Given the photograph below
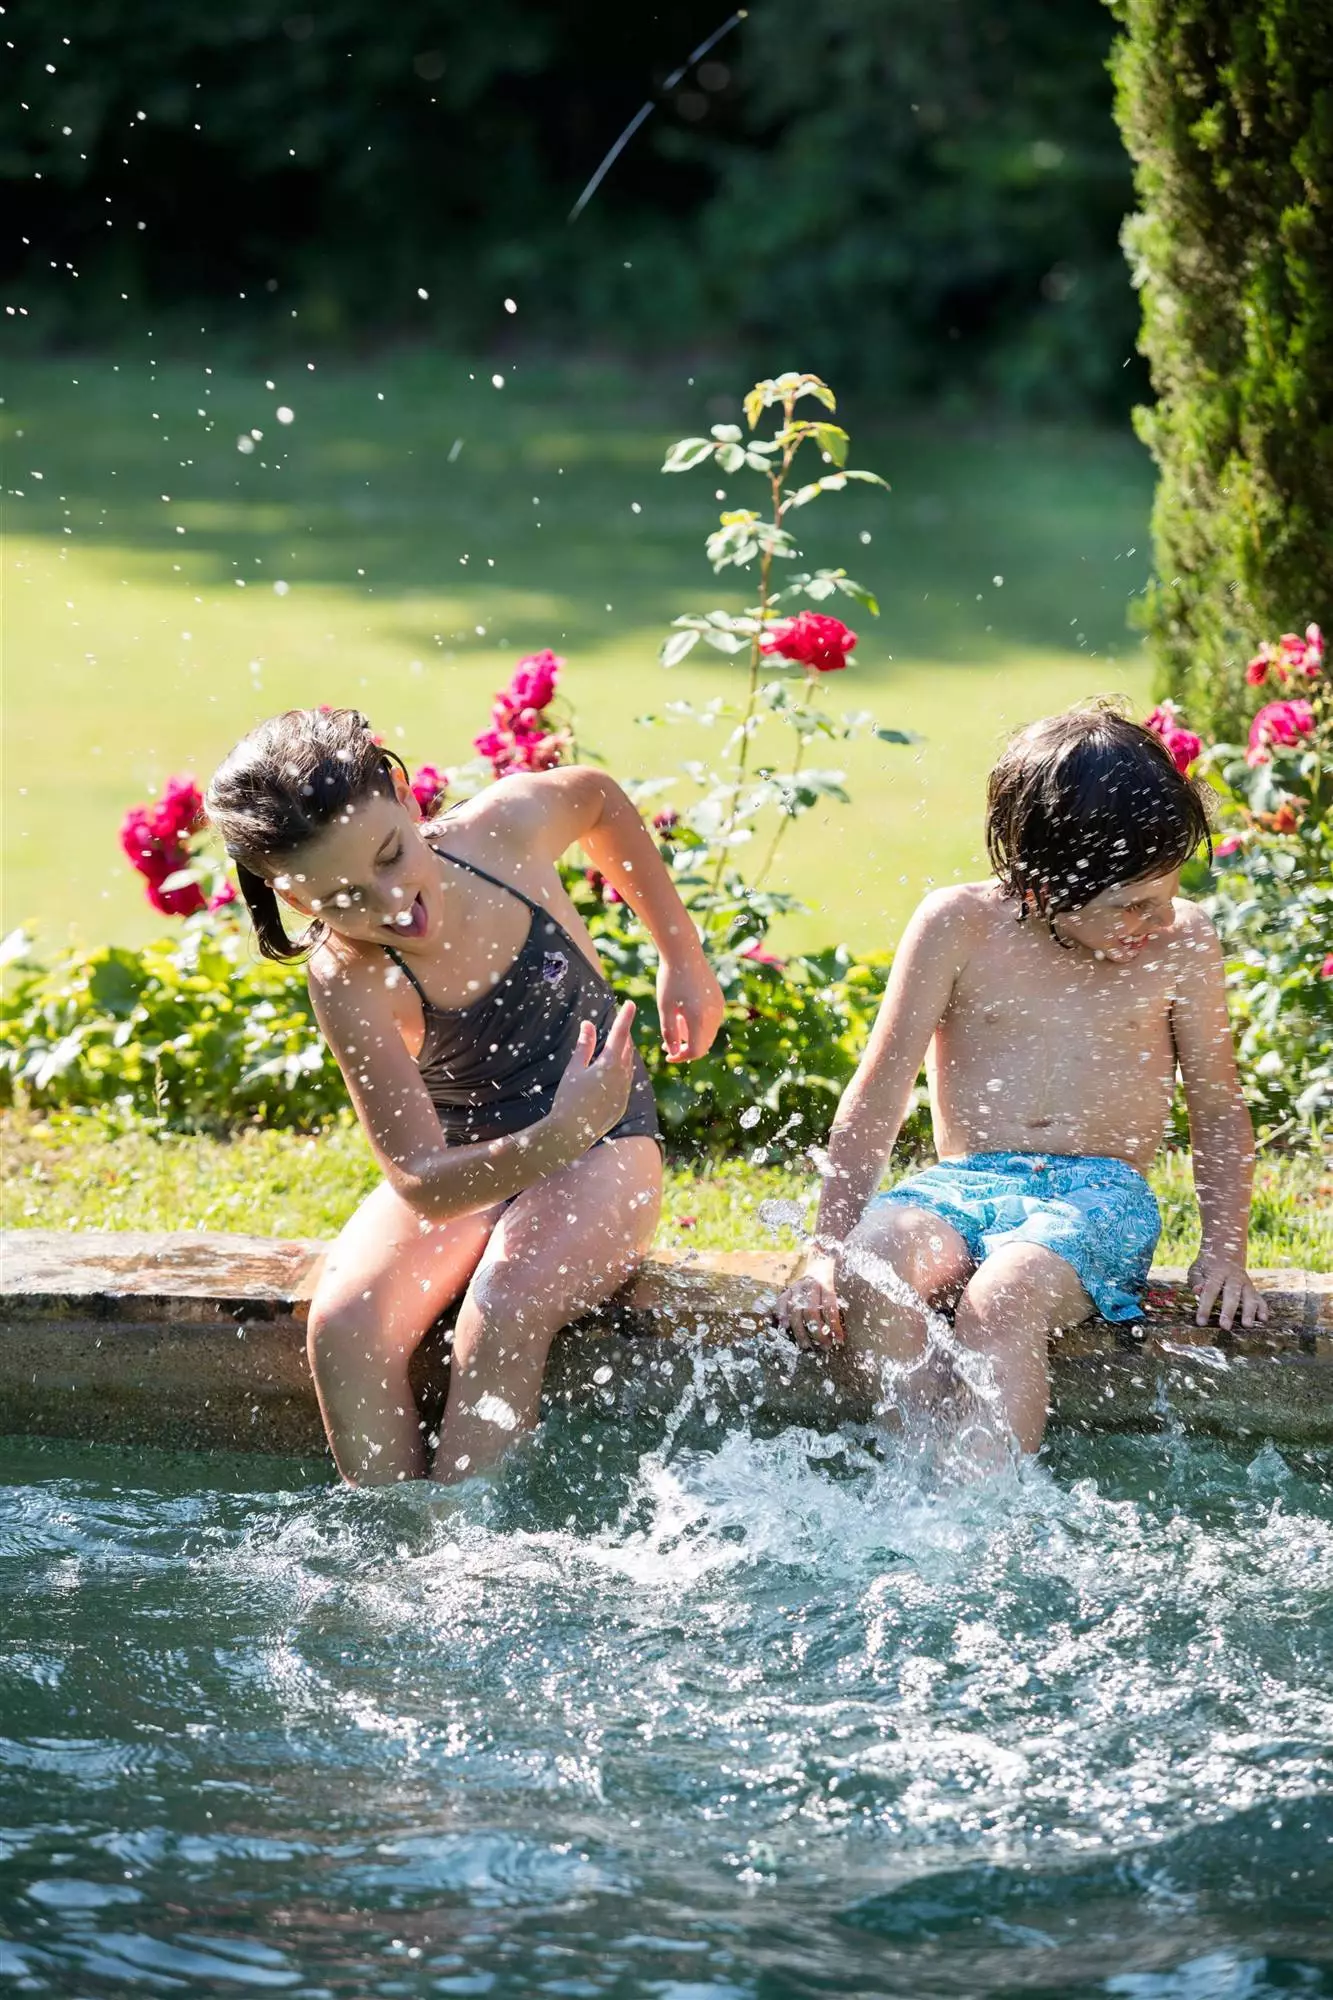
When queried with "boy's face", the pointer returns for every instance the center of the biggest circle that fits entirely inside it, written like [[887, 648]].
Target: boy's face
[[370, 876], [1122, 922]]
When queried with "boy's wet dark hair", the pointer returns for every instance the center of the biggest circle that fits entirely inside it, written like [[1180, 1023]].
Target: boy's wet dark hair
[[279, 789], [1084, 802]]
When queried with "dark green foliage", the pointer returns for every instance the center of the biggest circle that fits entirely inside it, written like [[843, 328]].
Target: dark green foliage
[[928, 190], [932, 196], [198, 1032], [1227, 108]]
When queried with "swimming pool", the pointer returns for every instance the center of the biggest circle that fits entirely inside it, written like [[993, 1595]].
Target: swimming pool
[[671, 1712]]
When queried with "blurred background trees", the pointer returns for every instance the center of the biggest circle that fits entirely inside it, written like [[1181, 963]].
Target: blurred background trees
[[939, 182], [1227, 108]]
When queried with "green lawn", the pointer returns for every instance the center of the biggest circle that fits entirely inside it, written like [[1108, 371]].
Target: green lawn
[[131, 652], [75, 1172]]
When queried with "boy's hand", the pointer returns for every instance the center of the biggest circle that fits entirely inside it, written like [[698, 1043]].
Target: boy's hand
[[690, 1003], [808, 1310], [1218, 1279]]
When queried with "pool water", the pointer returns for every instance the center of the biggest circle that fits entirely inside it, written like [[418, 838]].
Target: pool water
[[670, 1711]]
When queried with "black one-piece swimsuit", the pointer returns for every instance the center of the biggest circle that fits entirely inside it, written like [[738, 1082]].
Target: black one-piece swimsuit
[[492, 1067]]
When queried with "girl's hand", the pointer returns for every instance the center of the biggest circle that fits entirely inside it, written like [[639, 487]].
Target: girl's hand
[[690, 1004], [593, 1093], [809, 1310]]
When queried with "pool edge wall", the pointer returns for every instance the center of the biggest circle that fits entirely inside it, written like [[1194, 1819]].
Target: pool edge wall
[[196, 1341]]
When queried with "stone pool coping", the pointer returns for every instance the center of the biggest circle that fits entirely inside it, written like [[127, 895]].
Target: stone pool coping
[[195, 1340]]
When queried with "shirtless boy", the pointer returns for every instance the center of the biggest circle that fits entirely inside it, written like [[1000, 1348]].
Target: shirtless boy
[[1053, 1006]]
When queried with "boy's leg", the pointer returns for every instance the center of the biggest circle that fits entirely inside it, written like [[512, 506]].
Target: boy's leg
[[897, 1260], [1018, 1297], [561, 1247], [386, 1280]]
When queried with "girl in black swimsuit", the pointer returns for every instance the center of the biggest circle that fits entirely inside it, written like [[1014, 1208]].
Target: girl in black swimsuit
[[491, 1070]]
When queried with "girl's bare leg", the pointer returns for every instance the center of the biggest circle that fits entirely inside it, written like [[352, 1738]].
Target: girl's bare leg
[[931, 1259], [559, 1249], [387, 1279]]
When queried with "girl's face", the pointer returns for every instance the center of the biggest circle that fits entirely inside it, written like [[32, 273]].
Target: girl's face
[[369, 876], [1122, 922]]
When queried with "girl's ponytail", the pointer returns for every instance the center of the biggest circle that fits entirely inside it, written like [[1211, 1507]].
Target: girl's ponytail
[[266, 916]]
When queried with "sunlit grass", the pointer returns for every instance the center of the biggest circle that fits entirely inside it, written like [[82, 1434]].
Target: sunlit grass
[[131, 651], [74, 1172]]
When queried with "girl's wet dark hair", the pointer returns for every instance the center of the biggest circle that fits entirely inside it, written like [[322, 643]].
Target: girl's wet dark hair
[[280, 787], [1084, 802]]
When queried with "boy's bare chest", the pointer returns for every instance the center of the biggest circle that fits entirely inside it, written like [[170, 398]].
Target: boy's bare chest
[[1065, 1007]]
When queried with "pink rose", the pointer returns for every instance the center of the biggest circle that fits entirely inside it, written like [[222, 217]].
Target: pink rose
[[1326, 969], [534, 680], [1314, 651], [666, 821], [1229, 844], [1278, 725], [1256, 672], [601, 888], [1182, 744], [755, 952], [226, 895], [428, 788], [815, 641]]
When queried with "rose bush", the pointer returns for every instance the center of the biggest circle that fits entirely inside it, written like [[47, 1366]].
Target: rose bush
[[1269, 889], [521, 736]]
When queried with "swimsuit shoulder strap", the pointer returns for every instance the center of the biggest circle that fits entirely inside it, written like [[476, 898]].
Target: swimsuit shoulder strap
[[494, 880], [403, 966]]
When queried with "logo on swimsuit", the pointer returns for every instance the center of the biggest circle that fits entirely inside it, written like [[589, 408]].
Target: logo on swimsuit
[[554, 967]]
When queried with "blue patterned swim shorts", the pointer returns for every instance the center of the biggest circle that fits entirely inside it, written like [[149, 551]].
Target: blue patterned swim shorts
[[1099, 1215]]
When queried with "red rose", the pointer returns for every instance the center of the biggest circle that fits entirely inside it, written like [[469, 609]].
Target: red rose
[[1326, 969], [156, 853], [180, 810], [814, 641]]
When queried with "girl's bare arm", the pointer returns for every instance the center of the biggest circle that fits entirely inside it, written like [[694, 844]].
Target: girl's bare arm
[[582, 806], [355, 1013], [1221, 1136]]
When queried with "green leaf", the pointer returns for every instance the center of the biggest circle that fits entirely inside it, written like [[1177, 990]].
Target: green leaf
[[676, 646], [870, 478], [899, 736], [833, 439], [731, 457], [688, 453], [727, 433], [851, 588]]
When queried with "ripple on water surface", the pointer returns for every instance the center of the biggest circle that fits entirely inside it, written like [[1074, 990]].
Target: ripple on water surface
[[670, 1714]]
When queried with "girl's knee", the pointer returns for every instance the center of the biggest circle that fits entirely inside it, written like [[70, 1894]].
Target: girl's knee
[[340, 1335]]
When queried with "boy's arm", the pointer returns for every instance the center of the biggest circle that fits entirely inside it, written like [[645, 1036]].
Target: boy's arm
[[932, 953], [579, 804], [1221, 1135]]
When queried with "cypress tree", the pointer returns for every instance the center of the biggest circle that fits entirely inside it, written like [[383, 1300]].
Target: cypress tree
[[1226, 107]]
